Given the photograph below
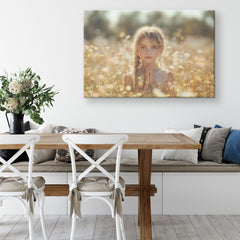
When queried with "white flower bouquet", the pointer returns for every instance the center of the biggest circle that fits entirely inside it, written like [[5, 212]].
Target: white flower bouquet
[[21, 93]]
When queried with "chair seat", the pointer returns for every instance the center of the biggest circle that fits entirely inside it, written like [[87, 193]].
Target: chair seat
[[17, 184], [98, 184]]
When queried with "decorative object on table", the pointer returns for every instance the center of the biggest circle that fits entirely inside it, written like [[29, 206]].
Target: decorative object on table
[[149, 53], [16, 123], [21, 94]]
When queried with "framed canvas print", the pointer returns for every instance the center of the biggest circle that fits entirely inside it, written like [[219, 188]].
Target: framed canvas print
[[149, 53]]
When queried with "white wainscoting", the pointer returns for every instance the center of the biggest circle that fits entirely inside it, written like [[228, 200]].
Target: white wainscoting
[[201, 193]]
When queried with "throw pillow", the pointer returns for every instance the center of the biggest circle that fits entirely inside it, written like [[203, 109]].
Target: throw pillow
[[43, 155], [189, 155], [6, 154], [63, 155], [232, 150], [214, 144], [202, 139]]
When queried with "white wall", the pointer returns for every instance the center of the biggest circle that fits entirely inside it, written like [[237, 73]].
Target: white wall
[[47, 35]]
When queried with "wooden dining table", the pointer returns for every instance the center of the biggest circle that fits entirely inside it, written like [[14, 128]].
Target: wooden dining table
[[144, 143]]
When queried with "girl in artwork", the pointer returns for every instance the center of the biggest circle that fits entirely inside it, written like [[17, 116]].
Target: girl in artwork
[[148, 77]]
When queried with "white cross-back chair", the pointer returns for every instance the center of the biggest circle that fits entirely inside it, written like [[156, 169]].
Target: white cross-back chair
[[108, 187], [22, 186]]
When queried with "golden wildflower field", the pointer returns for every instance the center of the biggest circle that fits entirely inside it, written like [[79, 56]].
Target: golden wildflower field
[[191, 60]]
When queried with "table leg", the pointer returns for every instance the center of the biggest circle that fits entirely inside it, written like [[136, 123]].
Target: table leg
[[139, 211], [145, 221]]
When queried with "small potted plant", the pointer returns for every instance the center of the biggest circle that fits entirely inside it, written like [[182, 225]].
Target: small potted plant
[[22, 94]]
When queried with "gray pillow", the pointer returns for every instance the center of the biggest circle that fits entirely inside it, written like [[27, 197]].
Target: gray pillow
[[214, 144]]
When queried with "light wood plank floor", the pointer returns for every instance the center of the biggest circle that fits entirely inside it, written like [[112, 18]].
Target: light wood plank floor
[[195, 227]]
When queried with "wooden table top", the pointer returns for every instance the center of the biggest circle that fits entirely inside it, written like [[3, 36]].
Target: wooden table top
[[136, 141]]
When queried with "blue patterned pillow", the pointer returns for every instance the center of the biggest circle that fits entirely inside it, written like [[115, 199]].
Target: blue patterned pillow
[[232, 146]]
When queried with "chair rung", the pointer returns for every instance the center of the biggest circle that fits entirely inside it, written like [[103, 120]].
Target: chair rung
[[63, 190]]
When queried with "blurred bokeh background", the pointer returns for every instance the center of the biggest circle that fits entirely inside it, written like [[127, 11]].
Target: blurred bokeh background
[[189, 51]]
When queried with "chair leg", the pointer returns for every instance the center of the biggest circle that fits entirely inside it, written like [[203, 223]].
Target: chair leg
[[73, 225], [122, 228], [30, 225], [118, 233], [41, 199]]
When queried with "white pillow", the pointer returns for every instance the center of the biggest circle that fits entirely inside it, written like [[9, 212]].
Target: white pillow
[[189, 155], [46, 128], [42, 155]]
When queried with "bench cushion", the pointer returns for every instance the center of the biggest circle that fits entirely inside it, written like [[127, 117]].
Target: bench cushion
[[130, 165]]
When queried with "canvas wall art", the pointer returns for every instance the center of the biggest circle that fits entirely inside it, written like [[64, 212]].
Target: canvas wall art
[[149, 54]]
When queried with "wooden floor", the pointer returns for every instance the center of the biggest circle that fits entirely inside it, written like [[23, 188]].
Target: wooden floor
[[14, 227]]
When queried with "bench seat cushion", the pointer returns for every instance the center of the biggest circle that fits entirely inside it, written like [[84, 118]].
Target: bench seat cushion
[[130, 165]]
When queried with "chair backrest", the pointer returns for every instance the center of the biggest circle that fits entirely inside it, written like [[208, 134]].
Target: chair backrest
[[115, 141], [21, 142]]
